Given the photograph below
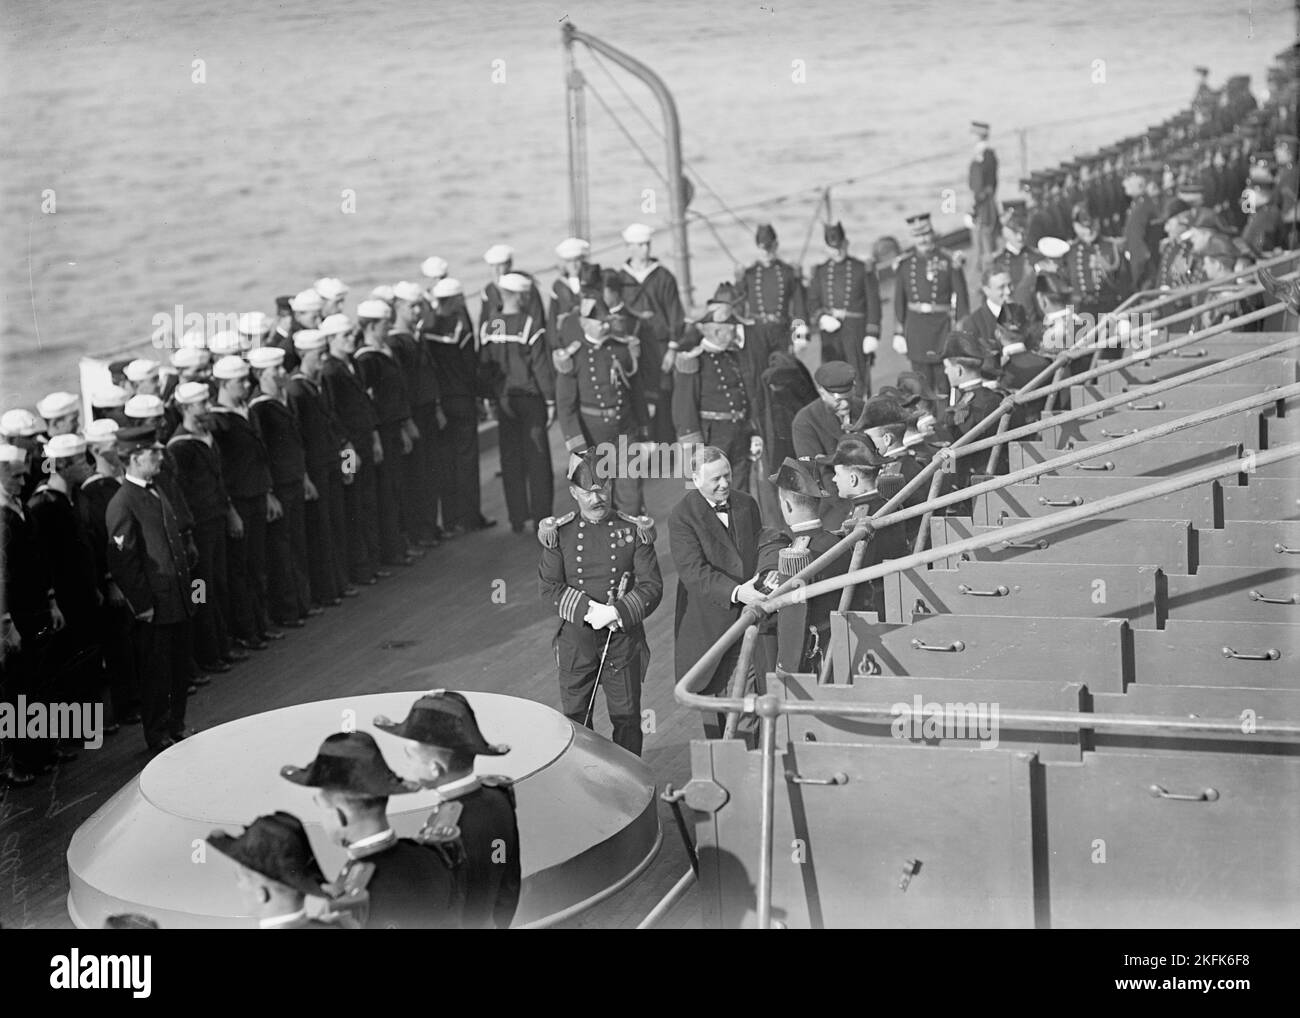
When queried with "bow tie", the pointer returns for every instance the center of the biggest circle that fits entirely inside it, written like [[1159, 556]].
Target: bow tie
[[724, 507]]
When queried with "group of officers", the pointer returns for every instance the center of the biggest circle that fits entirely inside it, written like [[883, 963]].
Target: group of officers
[[269, 472]]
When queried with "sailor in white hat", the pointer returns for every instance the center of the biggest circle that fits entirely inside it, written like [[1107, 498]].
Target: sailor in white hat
[[650, 292], [192, 364], [501, 258], [333, 292], [105, 429], [225, 343], [62, 541], [61, 412], [382, 292], [420, 499], [518, 364], [572, 253], [110, 398], [448, 333], [142, 375], [434, 268], [254, 325], [382, 375], [20, 423], [324, 516], [307, 307]]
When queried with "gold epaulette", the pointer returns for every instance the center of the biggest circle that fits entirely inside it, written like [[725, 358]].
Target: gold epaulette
[[495, 781], [546, 529], [443, 825], [645, 526]]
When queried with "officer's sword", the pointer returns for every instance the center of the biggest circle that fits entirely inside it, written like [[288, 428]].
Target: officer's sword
[[623, 582]]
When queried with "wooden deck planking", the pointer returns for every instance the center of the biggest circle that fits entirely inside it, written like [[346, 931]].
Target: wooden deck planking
[[458, 638]]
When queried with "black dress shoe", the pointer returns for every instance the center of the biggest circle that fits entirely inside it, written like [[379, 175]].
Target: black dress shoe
[[350, 592], [112, 728], [184, 733], [286, 624], [192, 690], [381, 574], [452, 532], [131, 717], [313, 611], [516, 528], [235, 655], [254, 644], [214, 667], [484, 523], [273, 634], [161, 744], [64, 755]]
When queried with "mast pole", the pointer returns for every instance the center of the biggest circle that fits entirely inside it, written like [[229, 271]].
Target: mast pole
[[576, 104], [672, 147]]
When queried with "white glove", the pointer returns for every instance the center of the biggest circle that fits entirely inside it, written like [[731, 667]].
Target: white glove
[[799, 342], [600, 615], [969, 220], [900, 344], [870, 344], [829, 323], [755, 446]]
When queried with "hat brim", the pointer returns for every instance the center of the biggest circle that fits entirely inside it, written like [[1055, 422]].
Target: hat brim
[[229, 846], [406, 730]]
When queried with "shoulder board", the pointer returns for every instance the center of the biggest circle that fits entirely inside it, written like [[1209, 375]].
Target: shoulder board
[[495, 781], [645, 526], [442, 826], [546, 528], [686, 364], [354, 879]]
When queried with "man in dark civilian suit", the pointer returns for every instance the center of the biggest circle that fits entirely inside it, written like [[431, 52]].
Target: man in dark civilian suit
[[151, 565], [713, 537], [983, 321]]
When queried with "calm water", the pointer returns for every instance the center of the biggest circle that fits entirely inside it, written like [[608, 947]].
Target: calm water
[[220, 195]]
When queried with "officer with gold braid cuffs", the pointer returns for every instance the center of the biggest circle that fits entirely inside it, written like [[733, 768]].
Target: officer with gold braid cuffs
[[599, 569], [929, 288], [388, 882], [444, 740], [598, 396], [771, 302], [844, 301], [711, 401]]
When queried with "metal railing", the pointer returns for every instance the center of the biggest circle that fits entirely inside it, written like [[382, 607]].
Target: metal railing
[[796, 589]]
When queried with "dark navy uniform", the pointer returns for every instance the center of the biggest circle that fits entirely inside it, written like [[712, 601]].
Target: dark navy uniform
[[346, 396], [399, 884], [711, 404], [651, 294], [326, 529], [847, 290], [288, 592], [1093, 272], [381, 375], [518, 367], [147, 557], [583, 561], [453, 351], [928, 290], [246, 469], [598, 397], [115, 620], [419, 502], [482, 809]]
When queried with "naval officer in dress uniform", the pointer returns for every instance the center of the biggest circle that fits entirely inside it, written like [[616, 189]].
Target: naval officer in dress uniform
[[445, 739], [598, 396], [929, 288], [276, 872], [599, 570], [844, 301], [388, 882], [772, 299]]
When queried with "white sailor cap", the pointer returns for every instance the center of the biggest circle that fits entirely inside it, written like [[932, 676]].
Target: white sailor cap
[[190, 357], [335, 325], [382, 292], [515, 282], [191, 392], [12, 454], [1053, 247], [20, 424], [254, 323], [230, 367], [109, 396], [330, 288], [265, 357], [308, 300], [142, 407], [57, 404], [191, 339], [372, 309], [498, 254], [447, 287], [62, 446], [638, 233], [224, 343], [434, 268], [306, 340], [102, 430], [409, 292], [140, 369], [572, 247]]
